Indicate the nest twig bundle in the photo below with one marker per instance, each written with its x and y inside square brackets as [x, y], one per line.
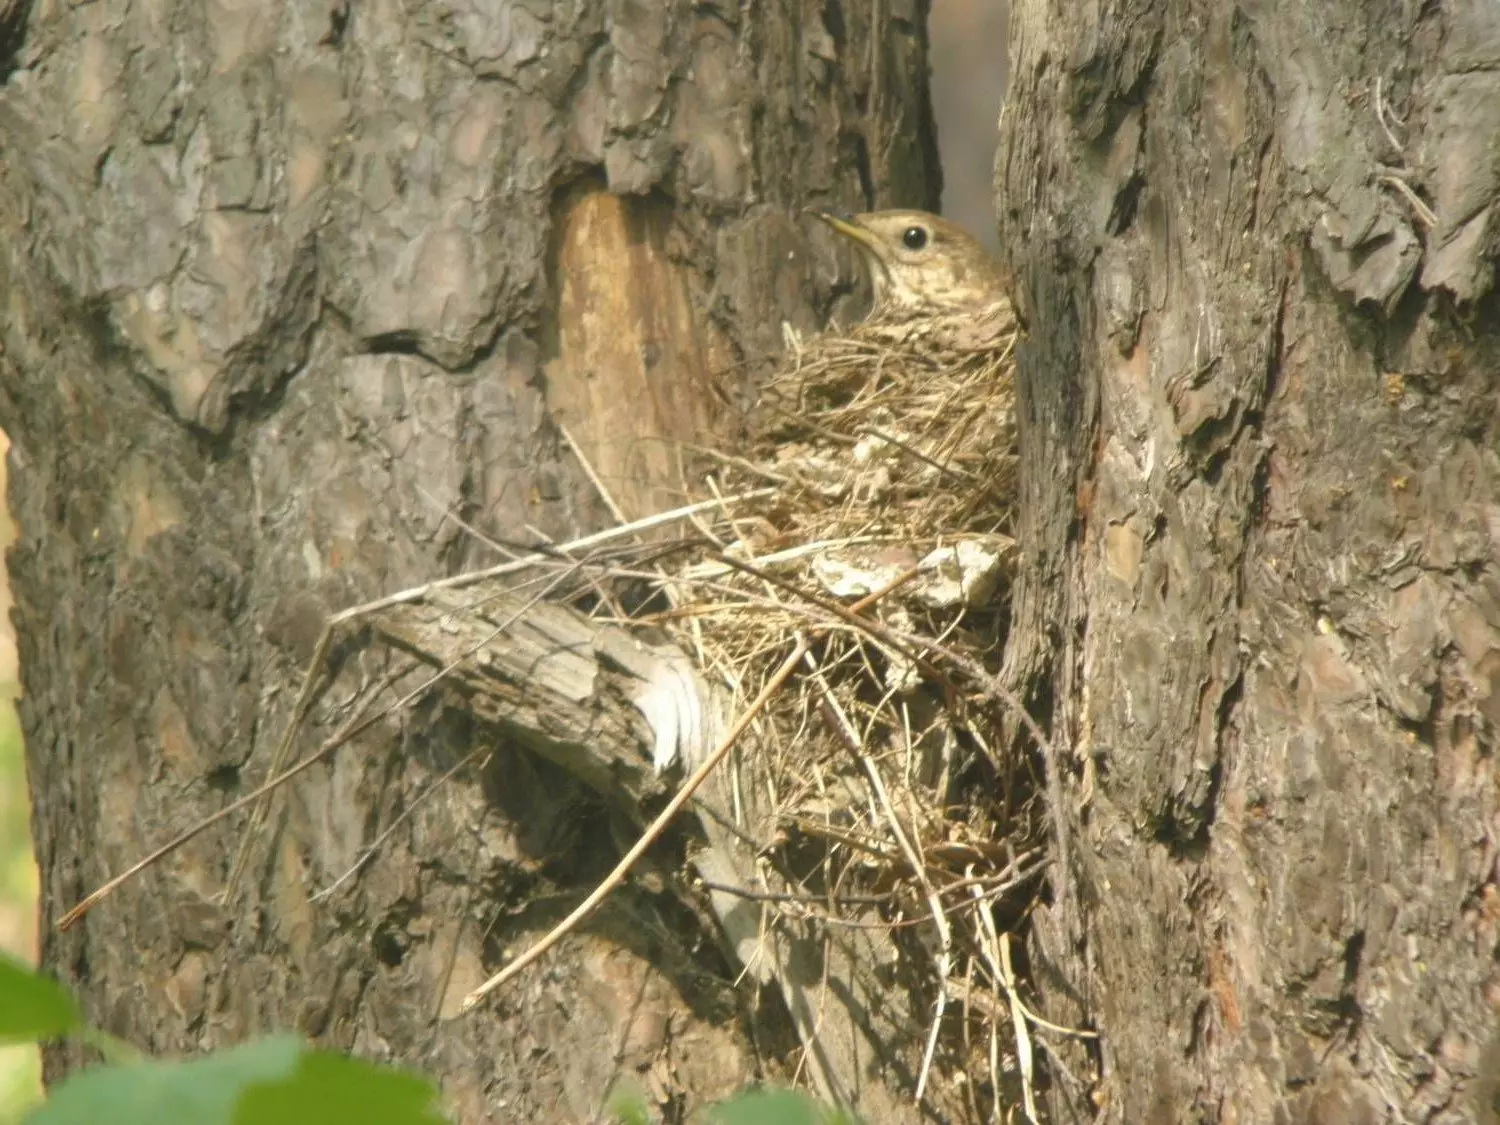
[885, 797]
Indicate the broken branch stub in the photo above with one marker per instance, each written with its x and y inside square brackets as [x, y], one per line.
[589, 696]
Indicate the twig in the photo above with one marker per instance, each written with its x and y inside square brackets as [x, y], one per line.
[1070, 1032]
[1380, 117]
[847, 735]
[668, 589]
[717, 567]
[458, 581]
[906, 644]
[594, 478]
[1423, 212]
[472, 577]
[795, 899]
[648, 837]
[350, 730]
[369, 852]
[991, 686]
[310, 681]
[817, 1062]
[912, 451]
[304, 703]
[464, 525]
[338, 739]
[603, 593]
[987, 890]
[996, 950]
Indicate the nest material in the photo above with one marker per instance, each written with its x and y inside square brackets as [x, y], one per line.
[888, 800]
[878, 794]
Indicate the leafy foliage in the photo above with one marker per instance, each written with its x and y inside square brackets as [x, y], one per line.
[275, 1081]
[776, 1107]
[279, 1080]
[204, 1091]
[331, 1089]
[31, 1006]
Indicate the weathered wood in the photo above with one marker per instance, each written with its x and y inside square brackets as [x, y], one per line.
[561, 685]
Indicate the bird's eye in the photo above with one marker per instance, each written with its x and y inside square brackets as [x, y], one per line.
[914, 237]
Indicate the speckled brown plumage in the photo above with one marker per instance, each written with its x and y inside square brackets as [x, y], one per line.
[934, 284]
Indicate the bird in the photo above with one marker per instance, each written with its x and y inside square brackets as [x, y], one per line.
[933, 281]
[889, 441]
[918, 396]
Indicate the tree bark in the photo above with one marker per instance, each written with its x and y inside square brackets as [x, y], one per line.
[1255, 244]
[291, 285]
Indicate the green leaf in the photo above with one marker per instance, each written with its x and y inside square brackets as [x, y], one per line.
[31, 1006]
[772, 1107]
[330, 1089]
[275, 1081]
[626, 1104]
[194, 1092]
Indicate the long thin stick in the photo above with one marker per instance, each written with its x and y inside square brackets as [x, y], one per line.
[311, 681]
[594, 478]
[561, 550]
[94, 897]
[657, 827]
[846, 734]
[355, 727]
[304, 706]
[368, 853]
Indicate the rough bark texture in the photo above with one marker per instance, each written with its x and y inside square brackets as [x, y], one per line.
[600, 703]
[287, 282]
[1261, 600]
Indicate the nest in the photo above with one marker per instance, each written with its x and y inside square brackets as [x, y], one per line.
[880, 476]
[860, 539]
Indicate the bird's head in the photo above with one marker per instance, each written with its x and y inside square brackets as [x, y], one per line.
[920, 263]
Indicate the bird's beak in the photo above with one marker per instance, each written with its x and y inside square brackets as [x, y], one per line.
[852, 231]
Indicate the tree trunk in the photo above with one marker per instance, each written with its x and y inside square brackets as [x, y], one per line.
[292, 288]
[1255, 245]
